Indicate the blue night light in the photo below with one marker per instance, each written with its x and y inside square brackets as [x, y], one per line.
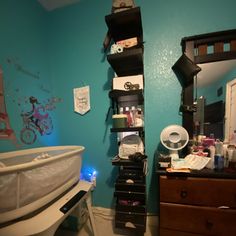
[88, 174]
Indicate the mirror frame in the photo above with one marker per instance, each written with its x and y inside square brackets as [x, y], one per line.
[196, 48]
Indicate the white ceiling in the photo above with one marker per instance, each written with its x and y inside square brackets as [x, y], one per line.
[211, 72]
[50, 5]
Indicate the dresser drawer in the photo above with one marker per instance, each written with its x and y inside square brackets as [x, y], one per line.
[198, 191]
[169, 232]
[195, 219]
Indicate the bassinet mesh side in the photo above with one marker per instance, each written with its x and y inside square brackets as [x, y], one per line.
[8, 192]
[38, 182]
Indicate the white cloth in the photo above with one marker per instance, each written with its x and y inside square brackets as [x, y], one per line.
[130, 145]
[191, 161]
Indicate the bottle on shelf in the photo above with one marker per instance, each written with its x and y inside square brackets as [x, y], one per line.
[139, 121]
[133, 115]
[121, 110]
[231, 151]
[129, 118]
[219, 158]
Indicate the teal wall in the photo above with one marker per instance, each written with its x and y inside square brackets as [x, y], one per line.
[24, 60]
[65, 46]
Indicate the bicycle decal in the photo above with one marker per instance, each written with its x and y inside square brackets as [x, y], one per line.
[35, 120]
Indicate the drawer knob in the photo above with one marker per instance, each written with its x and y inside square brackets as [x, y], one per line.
[209, 225]
[183, 193]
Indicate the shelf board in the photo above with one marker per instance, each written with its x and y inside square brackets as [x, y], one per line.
[125, 24]
[129, 62]
[115, 93]
[127, 129]
[126, 162]
[127, 98]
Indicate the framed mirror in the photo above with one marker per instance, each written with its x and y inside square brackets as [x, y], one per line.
[215, 54]
[210, 85]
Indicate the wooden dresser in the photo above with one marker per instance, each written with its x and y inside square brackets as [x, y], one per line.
[197, 203]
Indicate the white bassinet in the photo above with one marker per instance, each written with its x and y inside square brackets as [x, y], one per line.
[30, 179]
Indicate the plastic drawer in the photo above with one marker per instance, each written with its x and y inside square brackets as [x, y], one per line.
[141, 208]
[130, 187]
[131, 174]
[140, 180]
[130, 195]
[129, 225]
[137, 221]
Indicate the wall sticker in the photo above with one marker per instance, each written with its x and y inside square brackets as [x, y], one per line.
[6, 132]
[35, 120]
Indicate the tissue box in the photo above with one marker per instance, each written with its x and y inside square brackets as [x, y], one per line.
[128, 82]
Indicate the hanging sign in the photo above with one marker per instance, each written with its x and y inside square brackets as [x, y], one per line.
[81, 100]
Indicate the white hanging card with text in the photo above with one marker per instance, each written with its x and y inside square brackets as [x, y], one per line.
[81, 100]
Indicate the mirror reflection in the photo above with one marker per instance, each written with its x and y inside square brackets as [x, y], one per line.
[210, 85]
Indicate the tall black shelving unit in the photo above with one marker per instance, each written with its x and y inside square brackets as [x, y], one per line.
[130, 186]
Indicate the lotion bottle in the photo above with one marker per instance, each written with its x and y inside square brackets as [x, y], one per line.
[210, 164]
[133, 115]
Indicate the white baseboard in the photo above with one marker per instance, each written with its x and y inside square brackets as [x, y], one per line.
[104, 219]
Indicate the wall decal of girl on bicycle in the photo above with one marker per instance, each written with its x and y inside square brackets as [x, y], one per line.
[35, 120]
